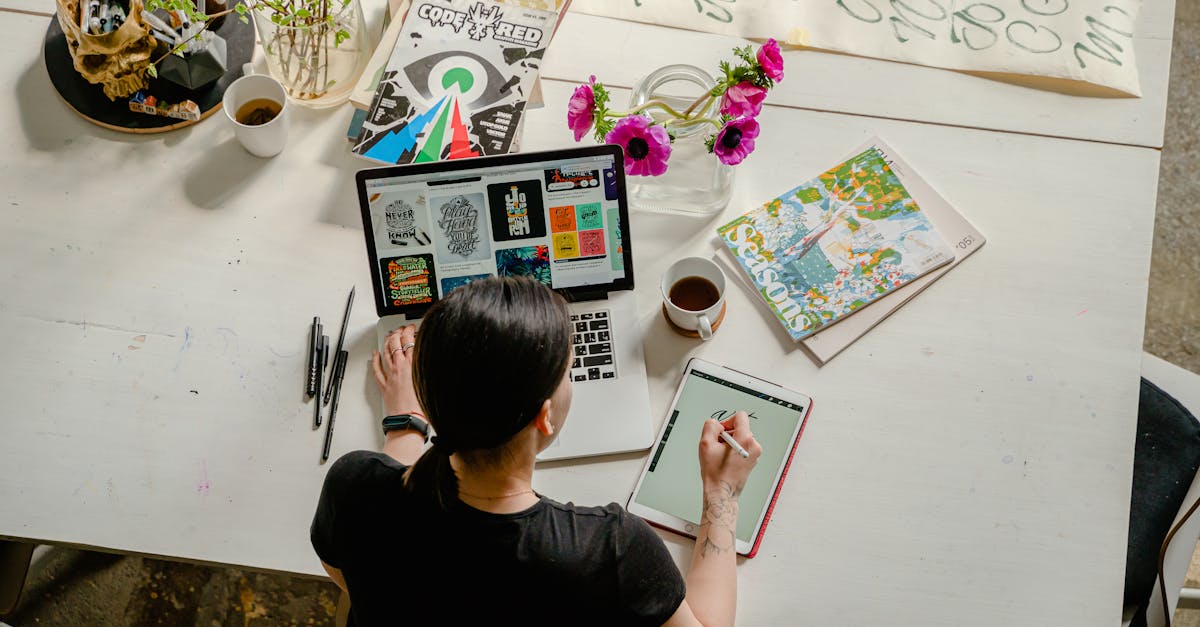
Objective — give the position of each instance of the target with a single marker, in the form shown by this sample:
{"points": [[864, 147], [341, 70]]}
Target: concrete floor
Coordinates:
{"points": [[1173, 313], [69, 587]]}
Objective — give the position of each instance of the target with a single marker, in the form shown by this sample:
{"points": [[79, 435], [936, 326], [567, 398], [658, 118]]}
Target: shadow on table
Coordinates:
{"points": [[340, 205], [220, 173], [47, 122]]}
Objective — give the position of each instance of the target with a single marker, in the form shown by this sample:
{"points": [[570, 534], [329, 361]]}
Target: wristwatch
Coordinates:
{"points": [[401, 422]]}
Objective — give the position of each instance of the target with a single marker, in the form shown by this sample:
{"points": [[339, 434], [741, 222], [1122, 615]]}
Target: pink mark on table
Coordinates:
{"points": [[1081, 312], [203, 486], [927, 351]]}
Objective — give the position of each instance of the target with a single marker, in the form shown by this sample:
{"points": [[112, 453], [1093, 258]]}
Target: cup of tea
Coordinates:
{"points": [[693, 290], [256, 105]]}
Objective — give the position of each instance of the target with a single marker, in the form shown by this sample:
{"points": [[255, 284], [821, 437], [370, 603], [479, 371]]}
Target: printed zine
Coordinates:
{"points": [[456, 83], [835, 244]]}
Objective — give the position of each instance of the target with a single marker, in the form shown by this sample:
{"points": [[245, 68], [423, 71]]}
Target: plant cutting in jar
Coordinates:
{"points": [[305, 32]]}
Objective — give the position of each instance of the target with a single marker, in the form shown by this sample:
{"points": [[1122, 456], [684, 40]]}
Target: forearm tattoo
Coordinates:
{"points": [[719, 520]]}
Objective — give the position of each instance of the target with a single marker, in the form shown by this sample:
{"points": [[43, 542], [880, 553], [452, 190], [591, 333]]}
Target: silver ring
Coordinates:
{"points": [[408, 346], [394, 349]]}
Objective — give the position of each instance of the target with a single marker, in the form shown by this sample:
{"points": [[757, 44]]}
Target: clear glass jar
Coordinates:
{"points": [[313, 67], [695, 181]]}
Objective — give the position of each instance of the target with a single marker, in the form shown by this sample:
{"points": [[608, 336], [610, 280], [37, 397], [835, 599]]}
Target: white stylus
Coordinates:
{"points": [[732, 442]]}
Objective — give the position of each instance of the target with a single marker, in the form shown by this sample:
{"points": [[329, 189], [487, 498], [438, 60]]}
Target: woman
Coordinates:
{"points": [[457, 535]]}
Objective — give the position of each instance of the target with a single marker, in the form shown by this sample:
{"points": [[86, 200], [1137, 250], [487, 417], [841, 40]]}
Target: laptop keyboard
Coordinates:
{"points": [[591, 340]]}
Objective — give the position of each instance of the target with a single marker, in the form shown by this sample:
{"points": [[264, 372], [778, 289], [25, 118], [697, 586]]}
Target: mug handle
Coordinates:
{"points": [[704, 327]]}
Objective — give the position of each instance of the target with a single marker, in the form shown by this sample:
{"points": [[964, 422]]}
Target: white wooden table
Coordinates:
{"points": [[967, 462]]}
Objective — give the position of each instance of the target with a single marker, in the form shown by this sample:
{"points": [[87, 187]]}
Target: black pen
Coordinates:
{"points": [[314, 339], [341, 340], [322, 361], [339, 368]]}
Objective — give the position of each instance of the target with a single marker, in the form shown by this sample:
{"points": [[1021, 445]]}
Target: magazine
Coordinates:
{"points": [[835, 243], [457, 81]]}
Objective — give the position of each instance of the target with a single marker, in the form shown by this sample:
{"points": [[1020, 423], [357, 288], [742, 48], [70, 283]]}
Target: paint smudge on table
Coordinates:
{"points": [[228, 335], [1081, 312], [187, 342], [139, 339], [203, 487]]}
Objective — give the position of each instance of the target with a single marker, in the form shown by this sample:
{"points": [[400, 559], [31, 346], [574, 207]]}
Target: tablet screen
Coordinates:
{"points": [[672, 481]]}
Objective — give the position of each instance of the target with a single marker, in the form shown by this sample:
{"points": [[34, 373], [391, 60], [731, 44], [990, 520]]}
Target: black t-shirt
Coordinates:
{"points": [[551, 564]]}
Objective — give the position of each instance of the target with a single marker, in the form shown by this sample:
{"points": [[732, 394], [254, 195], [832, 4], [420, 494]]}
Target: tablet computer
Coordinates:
{"points": [[668, 493]]}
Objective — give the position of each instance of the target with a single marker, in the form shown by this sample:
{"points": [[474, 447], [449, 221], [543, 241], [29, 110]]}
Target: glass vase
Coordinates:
{"points": [[695, 181], [314, 67]]}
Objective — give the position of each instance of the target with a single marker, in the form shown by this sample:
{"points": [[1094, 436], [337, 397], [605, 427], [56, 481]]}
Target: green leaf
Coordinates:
{"points": [[303, 13], [243, 19], [152, 70], [600, 95], [240, 9], [603, 127]]}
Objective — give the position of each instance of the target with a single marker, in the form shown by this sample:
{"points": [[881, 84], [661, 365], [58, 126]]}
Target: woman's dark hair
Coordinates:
{"points": [[487, 356]]}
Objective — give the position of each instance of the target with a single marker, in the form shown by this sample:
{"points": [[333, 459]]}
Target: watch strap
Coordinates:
{"points": [[401, 422]]}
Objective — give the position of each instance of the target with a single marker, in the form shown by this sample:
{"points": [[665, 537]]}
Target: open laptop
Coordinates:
{"points": [[559, 216]]}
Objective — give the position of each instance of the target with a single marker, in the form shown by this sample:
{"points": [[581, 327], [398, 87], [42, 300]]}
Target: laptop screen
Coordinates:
{"points": [[559, 217]]}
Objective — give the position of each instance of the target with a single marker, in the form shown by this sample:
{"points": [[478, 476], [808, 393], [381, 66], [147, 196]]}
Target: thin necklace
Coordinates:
{"points": [[494, 498]]}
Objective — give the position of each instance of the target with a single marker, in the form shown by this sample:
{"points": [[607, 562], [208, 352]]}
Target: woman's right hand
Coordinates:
{"points": [[719, 463]]}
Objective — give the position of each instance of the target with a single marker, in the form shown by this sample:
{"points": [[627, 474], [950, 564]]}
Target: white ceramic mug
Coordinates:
{"points": [[700, 321], [261, 140]]}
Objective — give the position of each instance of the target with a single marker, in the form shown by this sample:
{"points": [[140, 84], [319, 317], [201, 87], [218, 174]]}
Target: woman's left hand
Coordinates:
{"points": [[393, 372]]}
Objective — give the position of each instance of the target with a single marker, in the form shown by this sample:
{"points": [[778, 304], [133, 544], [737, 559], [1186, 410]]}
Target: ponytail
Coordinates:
{"points": [[433, 477]]}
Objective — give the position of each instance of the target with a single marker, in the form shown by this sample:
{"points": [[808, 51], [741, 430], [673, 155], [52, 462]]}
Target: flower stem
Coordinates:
{"points": [[701, 103], [716, 123], [646, 105]]}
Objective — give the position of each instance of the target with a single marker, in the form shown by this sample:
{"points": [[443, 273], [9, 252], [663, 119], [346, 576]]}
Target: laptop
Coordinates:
{"points": [[559, 216]]}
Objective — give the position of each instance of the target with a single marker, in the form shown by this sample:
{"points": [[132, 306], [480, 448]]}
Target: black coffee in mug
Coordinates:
{"points": [[694, 293]]}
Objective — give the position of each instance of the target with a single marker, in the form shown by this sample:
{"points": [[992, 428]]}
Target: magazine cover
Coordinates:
{"points": [[835, 244], [456, 83]]}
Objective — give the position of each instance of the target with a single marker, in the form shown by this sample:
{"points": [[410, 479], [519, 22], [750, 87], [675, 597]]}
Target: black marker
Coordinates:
{"points": [[314, 338], [339, 368], [337, 377], [322, 361]]}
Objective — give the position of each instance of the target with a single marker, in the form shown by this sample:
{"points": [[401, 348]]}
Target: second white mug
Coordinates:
{"points": [[693, 291]]}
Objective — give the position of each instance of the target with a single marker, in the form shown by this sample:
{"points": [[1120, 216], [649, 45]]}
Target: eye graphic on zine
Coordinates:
{"points": [[475, 78]]}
